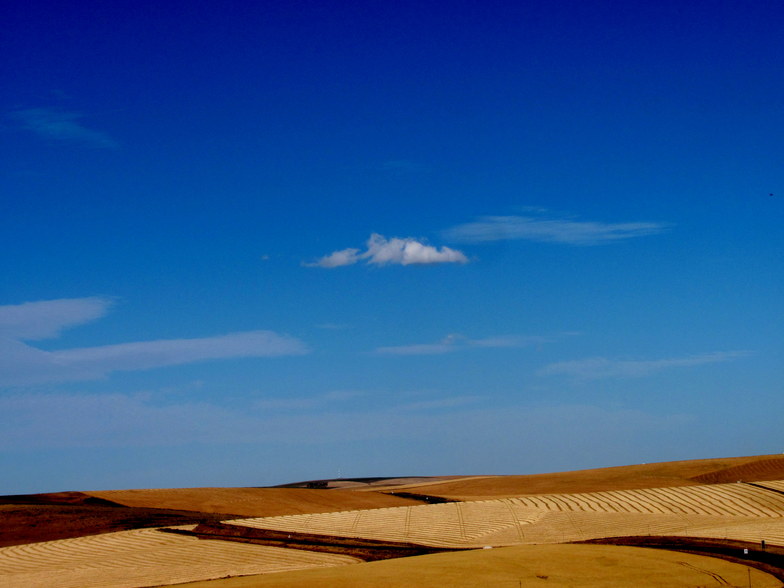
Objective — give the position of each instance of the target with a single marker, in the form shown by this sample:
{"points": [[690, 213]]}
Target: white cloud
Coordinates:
{"points": [[22, 364], [600, 367], [408, 251], [62, 126], [549, 230], [457, 342], [395, 251]]}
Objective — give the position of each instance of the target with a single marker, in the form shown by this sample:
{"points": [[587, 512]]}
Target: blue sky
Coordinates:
{"points": [[253, 243]]}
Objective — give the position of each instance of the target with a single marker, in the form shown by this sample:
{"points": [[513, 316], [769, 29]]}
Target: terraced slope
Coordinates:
{"points": [[144, 557], [709, 511]]}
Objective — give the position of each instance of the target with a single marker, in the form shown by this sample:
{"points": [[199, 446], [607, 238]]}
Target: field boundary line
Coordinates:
{"points": [[761, 487]]}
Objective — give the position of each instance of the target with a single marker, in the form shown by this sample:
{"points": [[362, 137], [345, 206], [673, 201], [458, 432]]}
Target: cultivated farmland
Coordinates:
{"points": [[135, 538], [251, 501], [555, 518], [553, 566], [145, 557]]}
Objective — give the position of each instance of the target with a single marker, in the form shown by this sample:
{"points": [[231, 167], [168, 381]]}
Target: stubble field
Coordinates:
{"points": [[327, 536]]}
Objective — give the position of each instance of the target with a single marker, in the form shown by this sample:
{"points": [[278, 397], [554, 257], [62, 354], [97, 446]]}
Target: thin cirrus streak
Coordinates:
{"points": [[531, 228], [62, 126], [601, 367], [457, 342], [24, 364], [150, 354]]}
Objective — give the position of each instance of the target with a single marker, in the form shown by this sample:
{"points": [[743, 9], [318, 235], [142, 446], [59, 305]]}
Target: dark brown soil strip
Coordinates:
{"points": [[364, 549], [425, 498], [324, 484], [31, 523], [769, 560]]}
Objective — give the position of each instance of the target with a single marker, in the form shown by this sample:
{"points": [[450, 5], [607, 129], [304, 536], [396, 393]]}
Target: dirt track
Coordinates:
{"points": [[769, 560]]}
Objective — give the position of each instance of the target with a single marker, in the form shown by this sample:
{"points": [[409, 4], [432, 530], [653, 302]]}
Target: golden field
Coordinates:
{"points": [[329, 536], [546, 566]]}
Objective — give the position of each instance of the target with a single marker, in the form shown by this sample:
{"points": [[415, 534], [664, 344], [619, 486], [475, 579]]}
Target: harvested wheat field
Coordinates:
{"points": [[252, 501], [653, 475], [555, 518], [275, 535], [144, 557], [541, 565], [773, 485]]}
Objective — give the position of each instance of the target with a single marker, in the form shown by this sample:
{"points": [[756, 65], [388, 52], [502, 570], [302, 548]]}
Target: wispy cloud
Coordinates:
{"points": [[62, 126], [22, 364], [33, 321], [321, 401], [440, 403], [395, 251], [549, 230], [464, 434], [150, 354], [457, 342], [600, 367]]}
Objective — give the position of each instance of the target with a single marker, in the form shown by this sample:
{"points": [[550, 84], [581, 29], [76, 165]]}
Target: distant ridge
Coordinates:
{"points": [[57, 499], [631, 477], [355, 483], [755, 471]]}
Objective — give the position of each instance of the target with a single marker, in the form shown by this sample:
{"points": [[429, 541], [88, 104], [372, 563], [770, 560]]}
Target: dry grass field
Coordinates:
{"points": [[653, 475], [554, 518], [258, 502], [773, 485], [548, 566], [144, 557], [114, 543]]}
